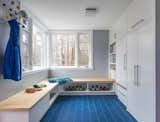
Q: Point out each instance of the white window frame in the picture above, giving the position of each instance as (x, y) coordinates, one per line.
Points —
(77, 66)
(43, 51)
(43, 66)
(22, 31)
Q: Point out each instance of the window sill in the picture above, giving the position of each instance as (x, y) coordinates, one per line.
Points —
(37, 70)
(29, 72)
(70, 68)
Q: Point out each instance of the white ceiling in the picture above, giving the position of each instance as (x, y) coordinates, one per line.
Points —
(67, 14)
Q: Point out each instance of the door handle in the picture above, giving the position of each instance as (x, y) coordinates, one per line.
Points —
(137, 23)
(135, 75)
(138, 71)
(125, 62)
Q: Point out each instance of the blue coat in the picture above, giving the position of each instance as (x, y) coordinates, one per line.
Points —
(12, 57)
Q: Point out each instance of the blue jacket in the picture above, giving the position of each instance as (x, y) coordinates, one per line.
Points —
(12, 57)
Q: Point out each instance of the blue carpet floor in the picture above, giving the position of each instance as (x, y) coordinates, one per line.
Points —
(87, 109)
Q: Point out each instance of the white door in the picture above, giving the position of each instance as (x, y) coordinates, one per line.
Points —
(141, 73)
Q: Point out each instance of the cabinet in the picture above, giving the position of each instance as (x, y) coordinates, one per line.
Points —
(122, 50)
(120, 28)
(121, 62)
(141, 72)
(138, 11)
(122, 70)
(135, 59)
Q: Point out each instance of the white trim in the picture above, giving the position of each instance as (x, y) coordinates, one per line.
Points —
(69, 31)
(70, 68)
(91, 63)
(30, 72)
(72, 93)
(48, 36)
(77, 50)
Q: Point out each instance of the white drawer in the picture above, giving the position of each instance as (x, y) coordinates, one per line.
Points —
(122, 95)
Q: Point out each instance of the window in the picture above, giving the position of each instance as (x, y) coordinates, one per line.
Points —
(33, 48)
(25, 50)
(84, 49)
(63, 50)
(37, 47)
(70, 49)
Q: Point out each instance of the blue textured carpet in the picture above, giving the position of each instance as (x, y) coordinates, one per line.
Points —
(87, 109)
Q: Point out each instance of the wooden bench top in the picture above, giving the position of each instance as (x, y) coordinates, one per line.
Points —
(23, 101)
(93, 80)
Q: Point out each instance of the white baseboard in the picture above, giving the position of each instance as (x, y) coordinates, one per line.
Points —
(87, 93)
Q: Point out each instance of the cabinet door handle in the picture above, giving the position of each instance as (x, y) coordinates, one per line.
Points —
(137, 68)
(137, 23)
(135, 75)
(125, 62)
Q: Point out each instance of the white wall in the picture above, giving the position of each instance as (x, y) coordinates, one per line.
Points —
(4, 35)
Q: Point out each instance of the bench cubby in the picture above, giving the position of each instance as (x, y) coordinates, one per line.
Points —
(88, 87)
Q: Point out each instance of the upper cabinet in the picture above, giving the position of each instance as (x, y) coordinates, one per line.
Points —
(139, 12)
(121, 26)
(119, 29)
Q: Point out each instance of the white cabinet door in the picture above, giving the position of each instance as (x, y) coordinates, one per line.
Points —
(138, 11)
(132, 61)
(141, 73)
(146, 70)
(121, 61)
(121, 26)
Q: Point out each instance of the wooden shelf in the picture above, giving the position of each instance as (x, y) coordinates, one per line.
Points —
(23, 101)
(93, 80)
(120, 85)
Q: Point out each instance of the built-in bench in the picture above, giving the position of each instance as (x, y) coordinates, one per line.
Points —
(24, 107)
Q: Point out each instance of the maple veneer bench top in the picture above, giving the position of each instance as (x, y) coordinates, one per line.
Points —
(93, 80)
(23, 101)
